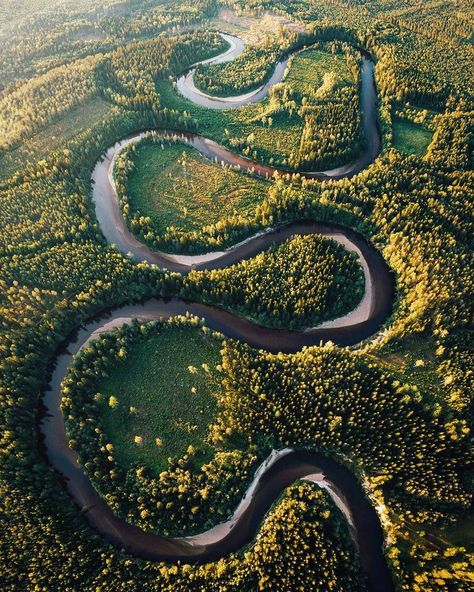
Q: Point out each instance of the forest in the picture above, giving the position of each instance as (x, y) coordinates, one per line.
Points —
(171, 418)
(301, 283)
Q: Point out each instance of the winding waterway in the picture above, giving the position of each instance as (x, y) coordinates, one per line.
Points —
(282, 467)
(368, 105)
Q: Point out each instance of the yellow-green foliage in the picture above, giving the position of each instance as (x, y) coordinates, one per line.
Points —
(36, 102)
(328, 398)
(247, 71)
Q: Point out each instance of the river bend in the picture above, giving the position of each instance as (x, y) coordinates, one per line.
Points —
(282, 467)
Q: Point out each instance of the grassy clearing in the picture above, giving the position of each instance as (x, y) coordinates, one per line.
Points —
(53, 136)
(413, 361)
(266, 143)
(175, 186)
(172, 401)
(253, 30)
(308, 68)
(411, 138)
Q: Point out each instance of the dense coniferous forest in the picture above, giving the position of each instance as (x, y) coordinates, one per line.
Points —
(300, 283)
(170, 418)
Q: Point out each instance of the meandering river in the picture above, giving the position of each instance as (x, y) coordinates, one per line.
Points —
(282, 467)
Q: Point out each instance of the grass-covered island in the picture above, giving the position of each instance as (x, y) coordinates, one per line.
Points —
(142, 430)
